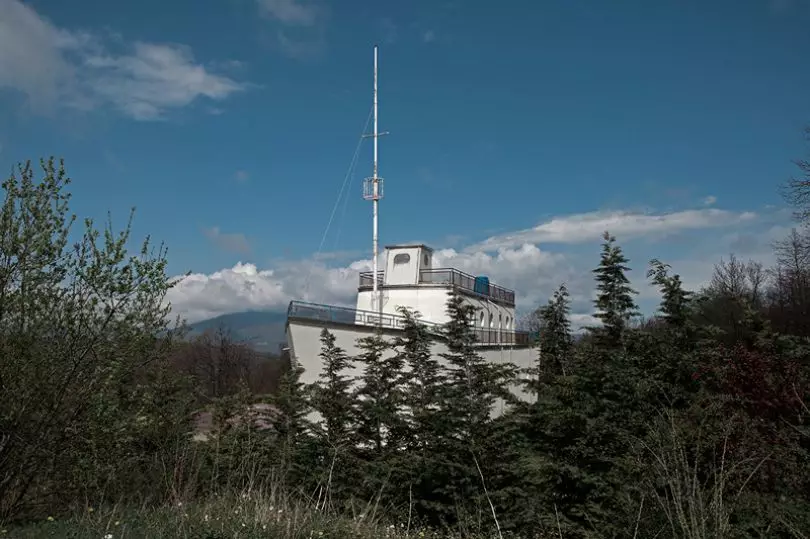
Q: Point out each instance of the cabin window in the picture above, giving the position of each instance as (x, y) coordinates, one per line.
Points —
(491, 321)
(482, 319)
(402, 258)
(427, 260)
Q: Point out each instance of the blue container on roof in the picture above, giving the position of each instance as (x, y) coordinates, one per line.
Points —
(481, 285)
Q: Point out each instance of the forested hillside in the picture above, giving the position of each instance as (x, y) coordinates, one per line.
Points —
(692, 423)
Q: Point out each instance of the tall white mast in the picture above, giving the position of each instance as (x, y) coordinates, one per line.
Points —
(373, 190)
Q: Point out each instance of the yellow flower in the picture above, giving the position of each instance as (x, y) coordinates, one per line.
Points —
(89, 509)
(50, 519)
(117, 523)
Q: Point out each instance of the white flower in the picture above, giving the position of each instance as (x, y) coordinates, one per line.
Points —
(108, 536)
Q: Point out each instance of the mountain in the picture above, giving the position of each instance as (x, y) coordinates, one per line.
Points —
(263, 330)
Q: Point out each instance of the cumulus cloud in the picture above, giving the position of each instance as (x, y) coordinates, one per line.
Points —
(527, 266)
(54, 66)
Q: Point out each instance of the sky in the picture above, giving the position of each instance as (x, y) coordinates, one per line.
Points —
(518, 134)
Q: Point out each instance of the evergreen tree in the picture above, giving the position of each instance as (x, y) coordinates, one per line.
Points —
(424, 381)
(473, 385)
(292, 424)
(614, 303)
(424, 467)
(675, 301)
(472, 388)
(556, 342)
(332, 393)
(379, 395)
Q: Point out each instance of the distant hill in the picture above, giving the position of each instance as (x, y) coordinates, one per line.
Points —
(263, 330)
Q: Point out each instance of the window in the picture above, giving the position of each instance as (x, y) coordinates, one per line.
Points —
(402, 258)
(491, 321)
(482, 319)
(427, 260)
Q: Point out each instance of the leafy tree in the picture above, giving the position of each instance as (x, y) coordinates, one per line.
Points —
(84, 333)
(614, 302)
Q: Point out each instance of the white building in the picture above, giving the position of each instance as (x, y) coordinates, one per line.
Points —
(408, 279)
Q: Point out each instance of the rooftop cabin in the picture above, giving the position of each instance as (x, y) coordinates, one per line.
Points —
(412, 266)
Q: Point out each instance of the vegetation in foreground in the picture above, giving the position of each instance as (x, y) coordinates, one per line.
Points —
(691, 424)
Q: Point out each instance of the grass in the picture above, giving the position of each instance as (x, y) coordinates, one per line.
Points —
(246, 516)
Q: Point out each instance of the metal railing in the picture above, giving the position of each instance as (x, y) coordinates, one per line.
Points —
(366, 278)
(450, 276)
(465, 281)
(356, 317)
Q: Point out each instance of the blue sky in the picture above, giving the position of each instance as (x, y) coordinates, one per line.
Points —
(518, 132)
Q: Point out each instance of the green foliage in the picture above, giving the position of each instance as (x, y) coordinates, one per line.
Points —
(83, 336)
(332, 397)
(693, 424)
(556, 342)
(614, 302)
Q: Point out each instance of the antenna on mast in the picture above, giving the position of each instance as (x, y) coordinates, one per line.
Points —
(373, 191)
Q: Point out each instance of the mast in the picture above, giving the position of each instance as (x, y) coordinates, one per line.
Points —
(373, 190)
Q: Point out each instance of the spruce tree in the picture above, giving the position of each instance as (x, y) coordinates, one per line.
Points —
(473, 385)
(333, 398)
(472, 388)
(675, 301)
(555, 341)
(424, 381)
(614, 303)
(423, 467)
(379, 395)
(292, 424)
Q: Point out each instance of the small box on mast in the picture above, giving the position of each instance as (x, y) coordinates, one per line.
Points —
(368, 189)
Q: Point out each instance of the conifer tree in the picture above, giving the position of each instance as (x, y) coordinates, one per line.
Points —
(379, 395)
(555, 341)
(332, 393)
(614, 303)
(473, 385)
(675, 301)
(292, 403)
(423, 382)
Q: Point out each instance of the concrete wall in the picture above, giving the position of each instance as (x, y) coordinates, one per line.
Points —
(303, 338)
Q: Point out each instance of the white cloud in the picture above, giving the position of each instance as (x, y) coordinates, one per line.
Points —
(429, 36)
(710, 200)
(54, 66)
(533, 271)
(627, 225)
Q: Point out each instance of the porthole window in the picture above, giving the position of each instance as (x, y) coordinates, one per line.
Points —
(402, 258)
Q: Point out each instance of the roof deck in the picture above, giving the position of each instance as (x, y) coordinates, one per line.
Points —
(313, 312)
(450, 277)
